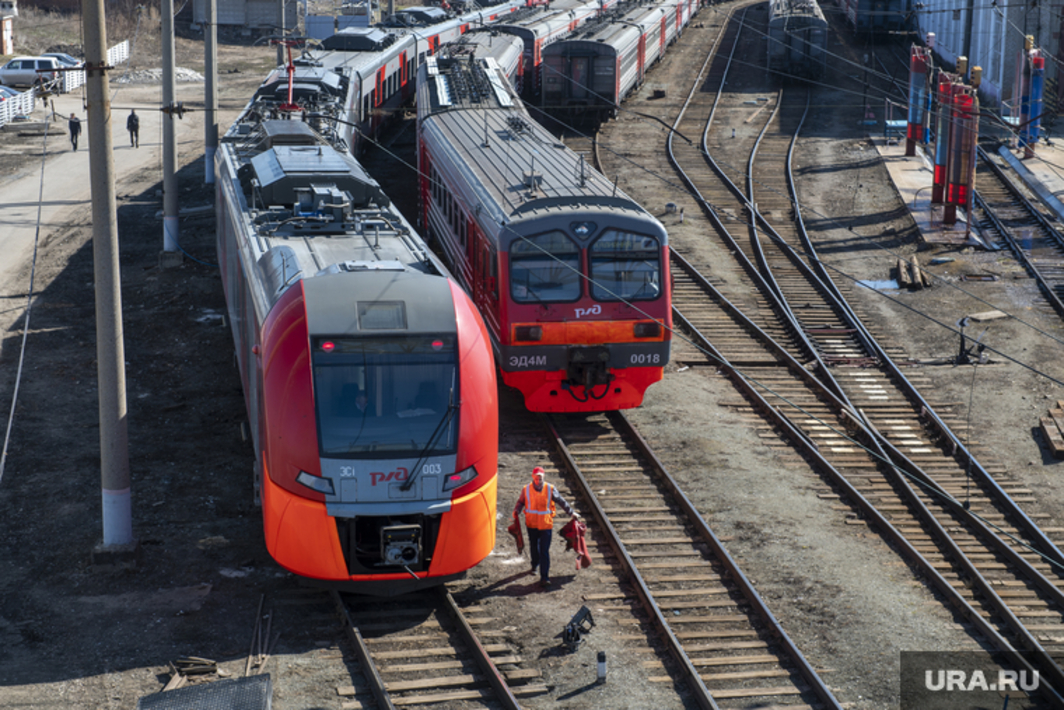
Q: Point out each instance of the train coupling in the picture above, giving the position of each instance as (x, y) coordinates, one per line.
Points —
(401, 545)
(588, 366)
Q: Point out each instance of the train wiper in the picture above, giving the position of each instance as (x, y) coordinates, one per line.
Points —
(440, 428)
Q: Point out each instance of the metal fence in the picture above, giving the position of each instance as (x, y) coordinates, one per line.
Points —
(25, 103)
(21, 105)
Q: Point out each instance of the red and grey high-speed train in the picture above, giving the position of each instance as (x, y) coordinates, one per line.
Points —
(592, 70)
(367, 371)
(570, 275)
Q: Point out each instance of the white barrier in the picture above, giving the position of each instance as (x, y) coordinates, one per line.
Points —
(115, 56)
(25, 103)
(21, 105)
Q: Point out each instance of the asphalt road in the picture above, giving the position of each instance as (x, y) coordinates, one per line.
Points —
(61, 196)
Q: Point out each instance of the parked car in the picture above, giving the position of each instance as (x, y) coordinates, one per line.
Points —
(6, 92)
(64, 59)
(23, 71)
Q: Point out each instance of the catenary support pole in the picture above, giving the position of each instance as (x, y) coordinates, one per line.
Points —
(210, 70)
(171, 228)
(280, 24)
(110, 352)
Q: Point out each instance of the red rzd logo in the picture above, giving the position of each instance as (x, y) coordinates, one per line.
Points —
(397, 475)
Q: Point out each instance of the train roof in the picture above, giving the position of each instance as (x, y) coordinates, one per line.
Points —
(309, 209)
(547, 19)
(385, 293)
(795, 8)
(359, 39)
(308, 78)
(516, 167)
(422, 13)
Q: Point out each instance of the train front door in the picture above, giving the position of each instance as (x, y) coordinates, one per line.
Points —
(486, 278)
(579, 77)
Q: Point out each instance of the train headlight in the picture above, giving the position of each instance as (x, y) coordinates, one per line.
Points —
(528, 332)
(316, 483)
(459, 479)
(647, 330)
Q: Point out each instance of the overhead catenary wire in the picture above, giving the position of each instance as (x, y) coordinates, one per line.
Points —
(743, 220)
(28, 311)
(370, 139)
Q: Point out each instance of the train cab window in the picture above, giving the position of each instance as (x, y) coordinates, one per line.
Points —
(386, 395)
(625, 265)
(545, 268)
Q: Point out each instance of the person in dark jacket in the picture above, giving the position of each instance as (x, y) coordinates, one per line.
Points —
(74, 125)
(538, 499)
(133, 126)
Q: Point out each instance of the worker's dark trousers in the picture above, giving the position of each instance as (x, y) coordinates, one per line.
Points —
(539, 547)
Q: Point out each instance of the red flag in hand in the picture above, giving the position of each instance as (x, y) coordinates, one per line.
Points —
(519, 538)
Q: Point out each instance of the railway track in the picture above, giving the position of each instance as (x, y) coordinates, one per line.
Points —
(422, 649)
(729, 648)
(1006, 216)
(1014, 222)
(834, 392)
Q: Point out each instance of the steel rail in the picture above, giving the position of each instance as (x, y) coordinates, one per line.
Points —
(867, 508)
(1053, 232)
(961, 451)
(820, 689)
(690, 674)
(901, 463)
(365, 659)
(503, 693)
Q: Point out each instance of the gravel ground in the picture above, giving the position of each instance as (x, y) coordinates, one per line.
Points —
(77, 636)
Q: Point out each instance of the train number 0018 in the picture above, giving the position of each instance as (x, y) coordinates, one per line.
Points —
(645, 359)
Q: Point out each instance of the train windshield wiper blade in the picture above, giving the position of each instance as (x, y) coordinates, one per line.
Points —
(447, 417)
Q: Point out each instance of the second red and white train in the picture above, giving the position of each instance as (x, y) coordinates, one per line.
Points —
(570, 275)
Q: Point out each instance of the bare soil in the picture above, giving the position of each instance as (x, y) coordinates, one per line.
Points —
(74, 635)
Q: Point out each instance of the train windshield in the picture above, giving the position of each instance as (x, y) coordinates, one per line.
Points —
(545, 267)
(625, 266)
(387, 396)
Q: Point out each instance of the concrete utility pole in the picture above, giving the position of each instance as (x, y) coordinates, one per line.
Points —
(110, 351)
(171, 228)
(210, 68)
(281, 23)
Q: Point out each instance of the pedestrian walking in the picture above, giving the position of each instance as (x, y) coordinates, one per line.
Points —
(538, 500)
(133, 126)
(74, 125)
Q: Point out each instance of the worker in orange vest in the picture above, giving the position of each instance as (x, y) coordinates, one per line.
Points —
(538, 500)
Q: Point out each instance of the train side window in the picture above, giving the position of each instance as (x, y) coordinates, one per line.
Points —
(545, 268)
(625, 266)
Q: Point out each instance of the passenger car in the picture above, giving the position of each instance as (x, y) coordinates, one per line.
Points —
(64, 59)
(23, 71)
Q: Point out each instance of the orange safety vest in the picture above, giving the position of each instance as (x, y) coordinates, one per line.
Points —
(539, 507)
